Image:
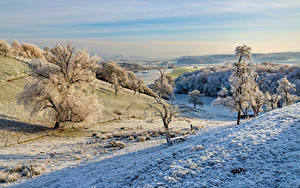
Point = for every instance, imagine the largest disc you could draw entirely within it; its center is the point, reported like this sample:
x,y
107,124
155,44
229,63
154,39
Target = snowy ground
x,y
205,112
262,152
58,151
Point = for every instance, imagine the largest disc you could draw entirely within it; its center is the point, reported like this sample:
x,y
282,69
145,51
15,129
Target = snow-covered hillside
x,y
262,152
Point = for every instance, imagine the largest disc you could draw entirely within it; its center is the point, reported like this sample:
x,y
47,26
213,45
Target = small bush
x,y
4,48
13,177
154,134
197,148
238,170
3,176
32,51
141,139
148,137
117,144
131,138
94,134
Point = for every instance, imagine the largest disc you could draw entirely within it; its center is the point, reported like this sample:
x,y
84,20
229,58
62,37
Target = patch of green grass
x,y
128,104
179,71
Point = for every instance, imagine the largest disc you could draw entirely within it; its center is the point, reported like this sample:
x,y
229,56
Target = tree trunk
x,y
168,136
116,93
194,106
56,125
256,112
239,117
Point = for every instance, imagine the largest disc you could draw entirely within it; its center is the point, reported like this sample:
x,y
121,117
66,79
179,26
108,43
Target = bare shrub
x,y
54,87
117,144
17,49
11,177
141,139
4,48
3,176
32,51
26,50
131,138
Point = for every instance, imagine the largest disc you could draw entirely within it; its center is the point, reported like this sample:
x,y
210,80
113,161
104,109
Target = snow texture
x,y
261,152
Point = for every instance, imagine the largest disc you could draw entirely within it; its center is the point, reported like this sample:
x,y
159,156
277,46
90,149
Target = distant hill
x,y
281,57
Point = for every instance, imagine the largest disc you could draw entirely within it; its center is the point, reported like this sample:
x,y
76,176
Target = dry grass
x,y
141,139
20,171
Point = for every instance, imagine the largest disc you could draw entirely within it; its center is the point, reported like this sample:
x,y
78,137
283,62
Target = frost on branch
x,y
165,111
55,87
285,91
195,98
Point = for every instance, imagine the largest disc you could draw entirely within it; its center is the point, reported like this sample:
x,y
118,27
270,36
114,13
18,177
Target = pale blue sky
x,y
152,28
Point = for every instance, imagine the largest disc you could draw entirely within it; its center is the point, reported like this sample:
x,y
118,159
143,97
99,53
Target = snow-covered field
x,y
150,75
261,152
205,112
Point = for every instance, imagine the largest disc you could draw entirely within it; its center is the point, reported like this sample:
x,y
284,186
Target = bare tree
x,y
4,48
167,112
55,85
163,85
195,98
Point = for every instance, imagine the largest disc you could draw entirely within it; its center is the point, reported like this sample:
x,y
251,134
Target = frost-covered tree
x,y
55,85
243,53
4,48
257,100
285,90
115,83
161,108
223,92
240,82
241,79
272,100
195,98
113,73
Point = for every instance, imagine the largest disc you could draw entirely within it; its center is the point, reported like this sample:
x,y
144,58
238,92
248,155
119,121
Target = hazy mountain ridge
x,y
280,57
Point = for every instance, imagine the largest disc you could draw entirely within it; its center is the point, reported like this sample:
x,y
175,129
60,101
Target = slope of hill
x,y
262,152
16,124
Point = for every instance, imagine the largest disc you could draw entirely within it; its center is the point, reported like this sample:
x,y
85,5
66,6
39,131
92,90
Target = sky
x,y
154,28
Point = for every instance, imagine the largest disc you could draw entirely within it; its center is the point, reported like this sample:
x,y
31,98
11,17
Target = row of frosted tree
x,y
243,86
